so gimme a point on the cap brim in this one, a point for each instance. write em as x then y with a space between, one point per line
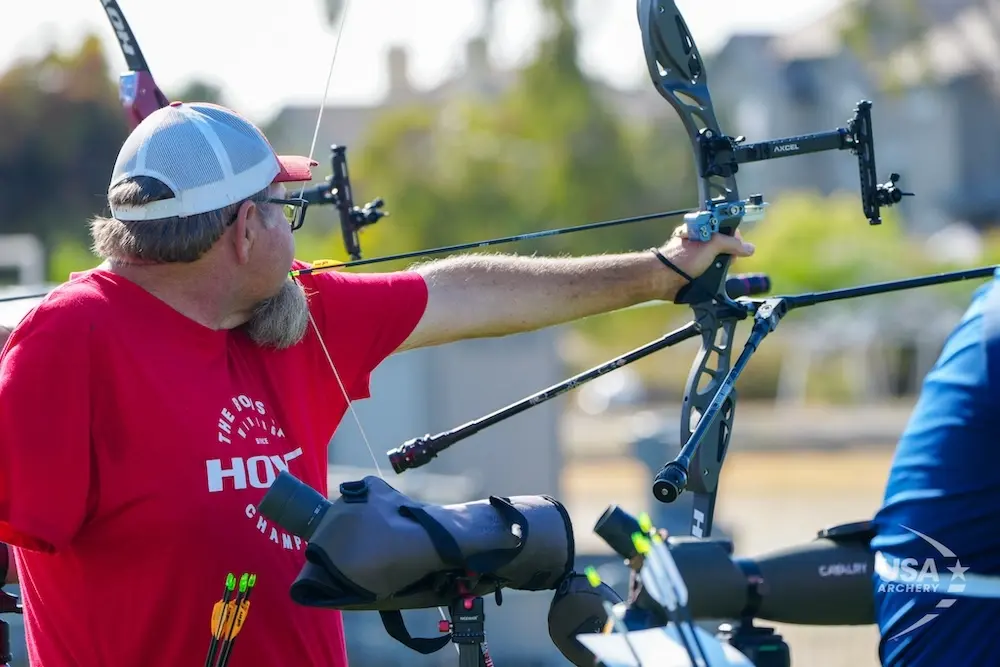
294 168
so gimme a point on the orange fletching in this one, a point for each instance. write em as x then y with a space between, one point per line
222 618
241 617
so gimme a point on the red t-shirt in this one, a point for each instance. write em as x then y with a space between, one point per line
135 445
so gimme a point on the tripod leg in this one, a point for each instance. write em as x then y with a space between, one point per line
469 655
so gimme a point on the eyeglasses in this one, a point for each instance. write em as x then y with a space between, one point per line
294 210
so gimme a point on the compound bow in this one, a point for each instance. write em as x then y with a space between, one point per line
717 300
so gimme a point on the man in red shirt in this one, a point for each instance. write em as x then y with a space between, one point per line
146 405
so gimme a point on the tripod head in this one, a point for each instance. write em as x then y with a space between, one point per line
467 627
9 604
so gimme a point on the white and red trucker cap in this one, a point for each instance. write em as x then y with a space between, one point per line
208 155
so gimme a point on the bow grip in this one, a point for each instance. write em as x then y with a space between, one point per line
711 282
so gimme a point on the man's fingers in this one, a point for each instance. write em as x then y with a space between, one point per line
732 245
721 243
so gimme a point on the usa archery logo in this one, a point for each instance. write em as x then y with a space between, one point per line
936 576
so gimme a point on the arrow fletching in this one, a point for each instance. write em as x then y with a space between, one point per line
222 610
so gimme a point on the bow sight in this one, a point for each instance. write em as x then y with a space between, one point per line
338 192
721 156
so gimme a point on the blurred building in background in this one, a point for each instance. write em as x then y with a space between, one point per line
936 111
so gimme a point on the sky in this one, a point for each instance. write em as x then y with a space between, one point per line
265 57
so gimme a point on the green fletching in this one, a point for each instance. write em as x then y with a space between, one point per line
641 543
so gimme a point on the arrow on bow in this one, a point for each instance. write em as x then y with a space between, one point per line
718 301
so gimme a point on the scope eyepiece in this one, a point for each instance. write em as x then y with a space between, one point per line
616 527
293 505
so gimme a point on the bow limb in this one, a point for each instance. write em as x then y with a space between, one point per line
678 74
138 92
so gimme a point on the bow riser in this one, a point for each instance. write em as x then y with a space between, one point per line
711 365
678 73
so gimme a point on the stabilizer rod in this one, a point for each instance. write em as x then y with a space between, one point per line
672 479
419 451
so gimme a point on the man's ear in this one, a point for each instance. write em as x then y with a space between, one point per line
243 233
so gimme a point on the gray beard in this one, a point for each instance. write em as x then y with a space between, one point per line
280 321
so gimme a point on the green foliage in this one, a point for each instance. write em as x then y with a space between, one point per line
62 128
69 256
807 242
199 91
875 30
547 153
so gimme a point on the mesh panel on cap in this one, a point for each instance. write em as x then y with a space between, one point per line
179 150
244 145
128 157
208 155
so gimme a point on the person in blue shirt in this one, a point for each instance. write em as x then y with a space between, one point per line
938 531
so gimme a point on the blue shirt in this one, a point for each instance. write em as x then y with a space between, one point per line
945 483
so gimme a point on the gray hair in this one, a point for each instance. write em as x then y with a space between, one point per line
164 240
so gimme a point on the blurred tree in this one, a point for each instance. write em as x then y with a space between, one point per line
876 28
808 242
199 91
548 152
334 11
62 127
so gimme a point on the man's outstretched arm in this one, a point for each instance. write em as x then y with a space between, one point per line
478 296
